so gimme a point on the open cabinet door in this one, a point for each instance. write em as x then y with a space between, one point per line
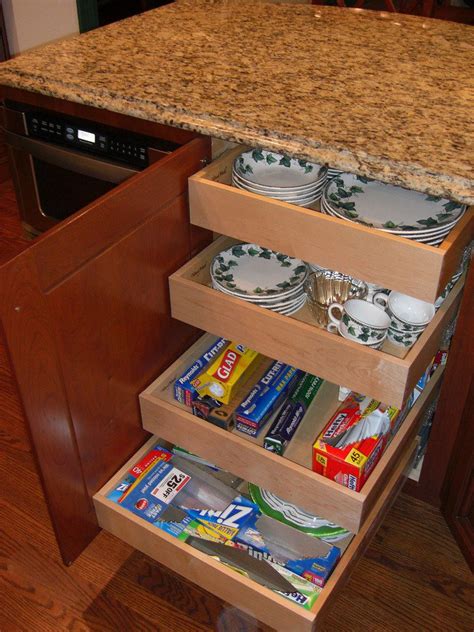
457 495
86 319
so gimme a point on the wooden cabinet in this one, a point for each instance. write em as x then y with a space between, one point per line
89 323
86 318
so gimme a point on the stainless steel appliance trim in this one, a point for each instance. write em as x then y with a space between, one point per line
70 159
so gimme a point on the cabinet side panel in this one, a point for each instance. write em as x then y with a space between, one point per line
26 327
115 334
93 328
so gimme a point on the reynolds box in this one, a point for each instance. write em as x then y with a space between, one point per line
184 391
353 440
222 415
265 397
292 413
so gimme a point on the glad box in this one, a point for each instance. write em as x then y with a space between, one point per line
353 440
225 372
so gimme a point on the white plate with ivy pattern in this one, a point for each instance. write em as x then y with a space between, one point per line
389 208
273 302
283 194
261 188
270 169
248 270
299 200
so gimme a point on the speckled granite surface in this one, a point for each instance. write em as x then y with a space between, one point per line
382 95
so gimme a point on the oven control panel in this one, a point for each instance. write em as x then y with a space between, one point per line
123 147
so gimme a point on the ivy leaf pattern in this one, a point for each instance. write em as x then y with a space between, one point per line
343 193
300 269
352 331
257 155
429 221
271 159
443 217
285 161
348 206
238 251
451 206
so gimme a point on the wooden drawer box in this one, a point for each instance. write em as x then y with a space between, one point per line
289 476
297 341
255 599
394 262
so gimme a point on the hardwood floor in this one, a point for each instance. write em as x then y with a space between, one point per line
412 578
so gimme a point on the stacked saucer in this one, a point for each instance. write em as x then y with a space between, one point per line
277 176
424 218
261 276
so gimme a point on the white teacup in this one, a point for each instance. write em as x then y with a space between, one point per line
360 321
406 313
336 329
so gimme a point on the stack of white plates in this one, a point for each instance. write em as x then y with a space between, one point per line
264 277
332 172
274 175
418 216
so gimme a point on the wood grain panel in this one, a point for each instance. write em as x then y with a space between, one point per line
116 333
105 221
87 321
26 323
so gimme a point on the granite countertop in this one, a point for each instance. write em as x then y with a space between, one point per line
383 95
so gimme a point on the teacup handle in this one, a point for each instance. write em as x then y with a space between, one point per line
380 299
332 327
332 307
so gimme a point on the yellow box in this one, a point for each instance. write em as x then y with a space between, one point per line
225 372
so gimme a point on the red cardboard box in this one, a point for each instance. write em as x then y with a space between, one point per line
353 440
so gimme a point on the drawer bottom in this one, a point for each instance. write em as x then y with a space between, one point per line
256 600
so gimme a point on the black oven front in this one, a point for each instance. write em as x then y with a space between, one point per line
62 164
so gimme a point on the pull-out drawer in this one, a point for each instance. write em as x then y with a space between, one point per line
289 476
260 602
297 341
390 261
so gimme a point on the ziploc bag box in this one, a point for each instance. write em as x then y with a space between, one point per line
353 440
265 397
270 540
184 391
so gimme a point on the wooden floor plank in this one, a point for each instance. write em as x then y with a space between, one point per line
412 578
